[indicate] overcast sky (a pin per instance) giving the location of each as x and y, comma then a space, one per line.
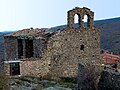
19, 14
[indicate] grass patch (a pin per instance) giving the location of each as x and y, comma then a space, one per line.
68, 85
42, 84
49, 84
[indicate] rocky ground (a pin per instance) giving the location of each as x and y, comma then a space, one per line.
30, 83
109, 80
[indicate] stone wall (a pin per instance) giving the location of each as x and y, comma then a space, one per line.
10, 48
32, 67
7, 69
39, 45
64, 51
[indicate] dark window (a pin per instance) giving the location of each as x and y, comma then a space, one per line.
20, 48
14, 69
65, 39
28, 48
102, 51
82, 47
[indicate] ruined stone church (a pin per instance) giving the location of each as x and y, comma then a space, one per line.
54, 52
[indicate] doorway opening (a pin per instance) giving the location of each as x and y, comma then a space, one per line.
14, 69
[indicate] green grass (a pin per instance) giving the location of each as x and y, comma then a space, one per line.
68, 84
46, 85
41, 84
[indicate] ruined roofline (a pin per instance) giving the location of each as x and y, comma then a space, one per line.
27, 33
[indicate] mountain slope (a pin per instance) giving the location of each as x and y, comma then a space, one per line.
110, 34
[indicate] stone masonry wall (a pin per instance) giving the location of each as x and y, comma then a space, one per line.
7, 69
32, 67
38, 46
10, 48
64, 52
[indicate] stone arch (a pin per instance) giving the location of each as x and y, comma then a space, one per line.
79, 17
88, 21
81, 12
71, 15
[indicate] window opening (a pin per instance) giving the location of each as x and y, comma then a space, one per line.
14, 69
28, 48
20, 48
82, 47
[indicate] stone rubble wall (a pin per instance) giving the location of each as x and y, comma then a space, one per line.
63, 50
10, 48
36, 68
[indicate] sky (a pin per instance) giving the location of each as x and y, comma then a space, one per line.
20, 14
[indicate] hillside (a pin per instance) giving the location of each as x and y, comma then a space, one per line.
110, 34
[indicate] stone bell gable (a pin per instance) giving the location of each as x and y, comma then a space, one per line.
81, 12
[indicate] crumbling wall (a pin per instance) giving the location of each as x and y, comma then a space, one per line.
10, 48
28, 65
